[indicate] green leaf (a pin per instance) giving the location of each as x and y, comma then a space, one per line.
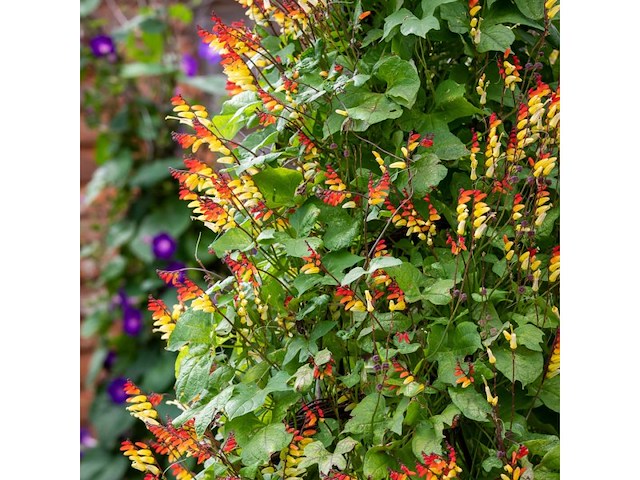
427, 173
337, 262
232, 239
550, 393
278, 185
495, 37
264, 442
531, 8
528, 364
551, 461
426, 440
451, 102
402, 79
341, 231
429, 6
371, 107
438, 292
398, 18
297, 247
466, 339
419, 27
377, 463
507, 14
383, 262
409, 279
472, 404
368, 416
315, 453
395, 425
304, 219
193, 376
193, 327
246, 399
456, 16
530, 336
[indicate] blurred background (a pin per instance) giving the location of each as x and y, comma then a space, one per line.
135, 55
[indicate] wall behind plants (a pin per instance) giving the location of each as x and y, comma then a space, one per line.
133, 54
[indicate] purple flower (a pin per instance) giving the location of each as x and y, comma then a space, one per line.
86, 439
102, 45
209, 54
109, 360
131, 321
189, 65
116, 390
164, 246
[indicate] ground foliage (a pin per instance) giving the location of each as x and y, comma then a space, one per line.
385, 196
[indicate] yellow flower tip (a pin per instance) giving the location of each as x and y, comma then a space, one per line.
513, 343
492, 358
398, 164
344, 113
405, 152
324, 74
350, 204
475, 10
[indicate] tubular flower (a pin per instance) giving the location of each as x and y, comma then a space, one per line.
481, 89
395, 297
544, 166
514, 472
511, 338
465, 379
542, 206
141, 457
142, 406
269, 102
492, 152
203, 303
551, 9
197, 177
336, 192
536, 105
324, 370
510, 71
554, 362
408, 217
348, 300
245, 193
522, 132
196, 117
180, 472
379, 192
491, 400
475, 148
508, 248
243, 269
518, 206
553, 114
456, 247
164, 321
480, 217
177, 442
313, 263
554, 264
474, 9
230, 443
492, 358
380, 161
437, 467
407, 379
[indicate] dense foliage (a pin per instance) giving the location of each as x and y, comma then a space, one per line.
385, 196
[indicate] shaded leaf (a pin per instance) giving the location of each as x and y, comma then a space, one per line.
472, 404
